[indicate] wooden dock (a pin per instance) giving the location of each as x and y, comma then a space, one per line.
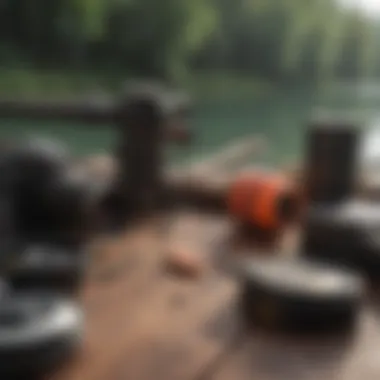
145, 324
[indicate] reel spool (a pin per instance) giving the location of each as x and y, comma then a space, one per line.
299, 295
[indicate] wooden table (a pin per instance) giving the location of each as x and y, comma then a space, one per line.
144, 324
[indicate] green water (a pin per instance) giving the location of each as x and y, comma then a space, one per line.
279, 115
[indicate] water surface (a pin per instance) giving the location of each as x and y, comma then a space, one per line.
280, 115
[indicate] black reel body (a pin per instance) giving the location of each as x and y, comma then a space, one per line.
49, 202
346, 234
38, 331
299, 295
49, 267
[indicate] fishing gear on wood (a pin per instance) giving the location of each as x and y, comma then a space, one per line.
45, 212
47, 202
47, 208
55, 268
345, 234
264, 200
338, 227
37, 332
299, 295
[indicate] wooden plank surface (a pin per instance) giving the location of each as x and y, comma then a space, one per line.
145, 324
266, 357
142, 322
110, 299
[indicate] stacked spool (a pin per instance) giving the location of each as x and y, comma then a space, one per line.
338, 227
49, 214
346, 234
40, 324
316, 291
299, 295
38, 331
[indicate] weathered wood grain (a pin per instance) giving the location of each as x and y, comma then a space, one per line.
140, 314
336, 358
145, 324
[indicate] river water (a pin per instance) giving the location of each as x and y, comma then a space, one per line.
280, 115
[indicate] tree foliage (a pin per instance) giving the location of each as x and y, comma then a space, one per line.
269, 38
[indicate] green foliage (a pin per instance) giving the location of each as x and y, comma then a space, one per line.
275, 39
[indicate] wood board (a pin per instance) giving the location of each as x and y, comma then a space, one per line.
145, 324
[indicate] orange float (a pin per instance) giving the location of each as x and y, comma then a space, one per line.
264, 200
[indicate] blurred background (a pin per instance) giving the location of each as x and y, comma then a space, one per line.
249, 65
